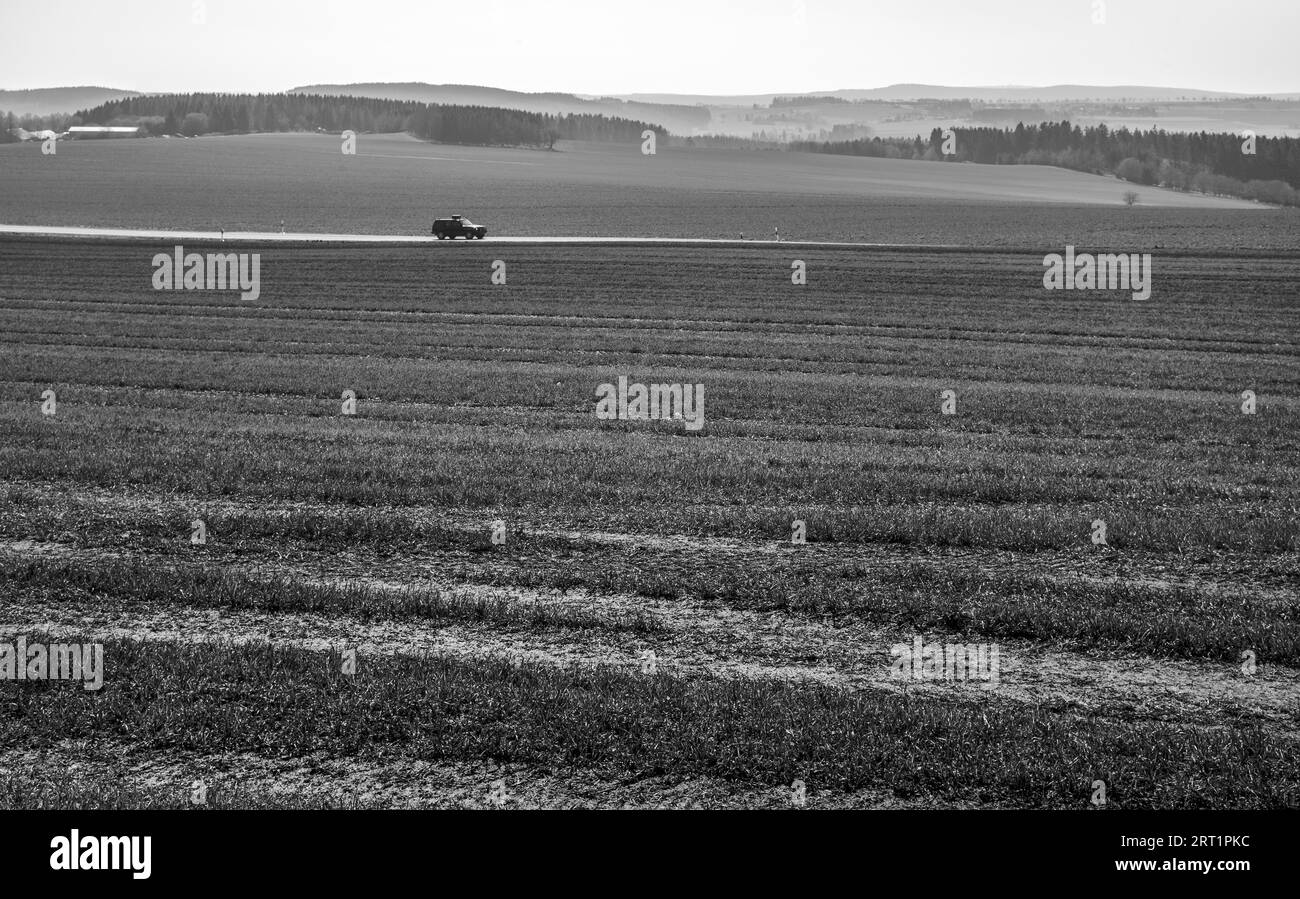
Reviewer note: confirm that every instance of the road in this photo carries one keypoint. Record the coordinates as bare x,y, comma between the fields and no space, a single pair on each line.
400,239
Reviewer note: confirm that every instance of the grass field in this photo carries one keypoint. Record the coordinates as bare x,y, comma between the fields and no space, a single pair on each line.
648,634
396,185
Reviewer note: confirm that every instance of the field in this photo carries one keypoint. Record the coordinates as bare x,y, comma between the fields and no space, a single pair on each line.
648,633
396,185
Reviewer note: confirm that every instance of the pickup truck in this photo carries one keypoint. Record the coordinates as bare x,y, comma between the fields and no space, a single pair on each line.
458,226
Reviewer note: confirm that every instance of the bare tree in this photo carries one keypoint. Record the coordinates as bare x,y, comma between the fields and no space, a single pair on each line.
1130,197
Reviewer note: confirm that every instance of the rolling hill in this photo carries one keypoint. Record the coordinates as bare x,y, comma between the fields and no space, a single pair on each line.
396,185
673,116
1007,94
52,100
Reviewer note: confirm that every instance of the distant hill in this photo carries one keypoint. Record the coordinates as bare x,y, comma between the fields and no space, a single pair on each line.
196,114
1053,93
677,117
1056,92
51,100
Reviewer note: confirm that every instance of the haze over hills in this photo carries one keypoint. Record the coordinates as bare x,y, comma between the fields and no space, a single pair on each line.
53,100
676,117
561,102
1012,93
899,110
677,112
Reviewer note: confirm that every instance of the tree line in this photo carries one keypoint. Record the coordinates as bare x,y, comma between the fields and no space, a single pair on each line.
1214,163
10,124
194,114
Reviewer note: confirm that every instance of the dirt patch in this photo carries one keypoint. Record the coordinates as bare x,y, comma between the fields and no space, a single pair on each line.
707,638
409,783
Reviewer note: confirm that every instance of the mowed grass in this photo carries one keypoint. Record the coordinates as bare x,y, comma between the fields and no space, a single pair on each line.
211,587
41,788
953,596
822,402
213,697
476,403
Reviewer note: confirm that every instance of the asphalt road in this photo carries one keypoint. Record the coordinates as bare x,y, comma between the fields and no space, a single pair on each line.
399,239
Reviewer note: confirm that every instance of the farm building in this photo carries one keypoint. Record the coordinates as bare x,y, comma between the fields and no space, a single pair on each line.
84,131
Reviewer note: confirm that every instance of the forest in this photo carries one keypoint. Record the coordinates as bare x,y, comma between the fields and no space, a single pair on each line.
195,114
1256,168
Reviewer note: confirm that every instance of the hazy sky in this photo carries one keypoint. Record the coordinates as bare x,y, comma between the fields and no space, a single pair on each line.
681,46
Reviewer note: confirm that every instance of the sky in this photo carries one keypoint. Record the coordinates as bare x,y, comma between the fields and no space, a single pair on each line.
649,46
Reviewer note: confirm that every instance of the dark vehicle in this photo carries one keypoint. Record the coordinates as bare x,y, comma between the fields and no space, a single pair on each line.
458,226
